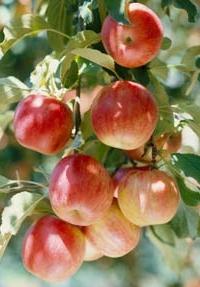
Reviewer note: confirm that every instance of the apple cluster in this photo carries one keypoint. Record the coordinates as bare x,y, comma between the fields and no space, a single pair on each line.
95,214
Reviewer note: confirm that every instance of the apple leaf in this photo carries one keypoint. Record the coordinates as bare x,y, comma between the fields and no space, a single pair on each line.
11,91
117,9
21,206
97,57
186,222
164,233
5,119
159,69
58,18
166,44
166,120
19,28
70,77
189,58
3,180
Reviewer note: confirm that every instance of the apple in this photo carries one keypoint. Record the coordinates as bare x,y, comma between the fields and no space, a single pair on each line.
193,283
42,124
80,190
124,115
113,234
91,252
148,197
137,43
53,250
170,143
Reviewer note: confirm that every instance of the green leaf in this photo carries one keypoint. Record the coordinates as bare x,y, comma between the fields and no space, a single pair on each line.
166,120
86,126
57,15
187,5
21,206
22,27
117,9
186,222
166,44
159,69
164,233
189,196
189,58
5,119
97,57
96,149
141,75
3,180
11,91
70,77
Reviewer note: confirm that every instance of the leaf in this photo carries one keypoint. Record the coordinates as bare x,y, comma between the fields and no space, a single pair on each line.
21,206
166,44
117,9
86,126
141,75
189,58
189,196
187,5
3,180
11,91
97,57
166,120
70,77
159,69
186,222
5,119
58,15
22,27
164,233
96,149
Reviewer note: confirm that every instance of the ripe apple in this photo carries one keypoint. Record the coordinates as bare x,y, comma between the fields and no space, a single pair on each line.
91,252
113,234
193,283
124,115
170,143
148,197
53,250
135,44
43,124
80,189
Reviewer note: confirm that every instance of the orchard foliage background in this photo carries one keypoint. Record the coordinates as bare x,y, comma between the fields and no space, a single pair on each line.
55,46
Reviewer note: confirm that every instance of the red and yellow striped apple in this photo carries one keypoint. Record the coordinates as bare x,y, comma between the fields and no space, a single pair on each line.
137,43
43,124
53,250
80,189
113,234
148,197
91,252
124,115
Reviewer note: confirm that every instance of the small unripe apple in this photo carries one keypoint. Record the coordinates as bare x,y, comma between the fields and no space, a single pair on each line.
148,197
91,252
43,124
80,190
124,115
113,234
53,250
135,44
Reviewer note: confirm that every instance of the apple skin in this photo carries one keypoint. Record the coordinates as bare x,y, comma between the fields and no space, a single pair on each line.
170,143
42,124
53,250
148,197
124,115
91,252
135,44
80,190
113,234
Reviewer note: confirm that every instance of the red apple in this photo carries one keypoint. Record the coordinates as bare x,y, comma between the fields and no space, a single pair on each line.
80,189
193,283
135,44
124,115
113,234
53,250
91,252
42,123
148,197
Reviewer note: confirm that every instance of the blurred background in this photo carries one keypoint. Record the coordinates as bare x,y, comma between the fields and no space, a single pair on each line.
153,263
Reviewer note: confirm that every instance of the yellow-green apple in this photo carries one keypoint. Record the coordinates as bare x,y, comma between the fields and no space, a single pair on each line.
53,250
124,115
43,124
148,197
80,190
91,252
113,234
137,43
